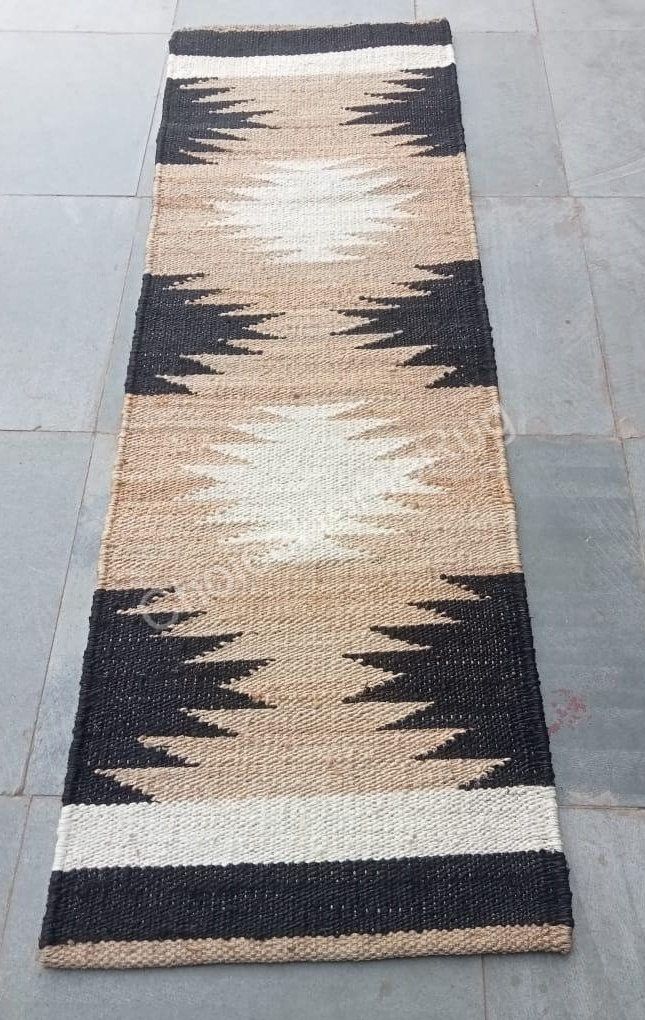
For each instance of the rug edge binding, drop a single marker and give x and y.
(507, 939)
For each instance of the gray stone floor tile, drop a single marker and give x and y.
(76, 110)
(614, 234)
(42, 484)
(604, 977)
(109, 416)
(62, 264)
(550, 366)
(590, 14)
(595, 79)
(407, 989)
(510, 131)
(80, 16)
(13, 812)
(53, 733)
(635, 454)
(586, 587)
(481, 15)
(191, 13)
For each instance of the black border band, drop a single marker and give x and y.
(276, 42)
(262, 901)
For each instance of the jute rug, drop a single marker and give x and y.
(310, 724)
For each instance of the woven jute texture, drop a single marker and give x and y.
(310, 724)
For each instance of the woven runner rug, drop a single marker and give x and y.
(310, 724)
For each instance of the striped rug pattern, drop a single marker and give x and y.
(310, 724)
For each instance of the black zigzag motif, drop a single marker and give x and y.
(423, 109)
(477, 668)
(195, 121)
(447, 313)
(174, 325)
(137, 679)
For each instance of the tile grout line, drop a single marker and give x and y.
(25, 771)
(106, 368)
(612, 402)
(640, 531)
(75, 31)
(547, 81)
(477, 196)
(139, 200)
(563, 806)
(161, 82)
(54, 432)
(578, 436)
(483, 960)
(12, 883)
(31, 795)
(578, 220)
(535, 20)
(470, 31)
(67, 194)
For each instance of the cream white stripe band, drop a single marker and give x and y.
(321, 828)
(363, 61)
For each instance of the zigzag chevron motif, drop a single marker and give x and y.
(186, 328)
(442, 316)
(201, 119)
(423, 110)
(146, 649)
(464, 661)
